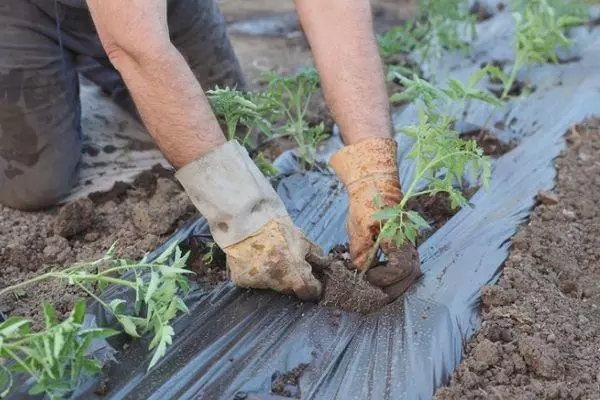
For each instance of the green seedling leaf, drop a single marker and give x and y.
(14, 327)
(385, 214)
(117, 306)
(98, 333)
(154, 279)
(91, 367)
(78, 313)
(127, 324)
(417, 219)
(49, 314)
(410, 233)
(6, 381)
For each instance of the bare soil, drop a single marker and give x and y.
(490, 143)
(540, 337)
(139, 217)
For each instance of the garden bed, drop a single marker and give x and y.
(540, 335)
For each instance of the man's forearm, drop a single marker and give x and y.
(341, 36)
(173, 106)
(169, 98)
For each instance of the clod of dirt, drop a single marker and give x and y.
(74, 218)
(491, 145)
(57, 249)
(547, 198)
(348, 291)
(288, 385)
(157, 216)
(543, 359)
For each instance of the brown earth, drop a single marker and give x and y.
(540, 337)
(139, 217)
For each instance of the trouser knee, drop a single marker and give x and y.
(36, 168)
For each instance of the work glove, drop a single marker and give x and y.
(248, 220)
(368, 170)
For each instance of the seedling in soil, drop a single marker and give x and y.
(438, 25)
(291, 96)
(55, 357)
(243, 114)
(440, 156)
(539, 32)
(241, 111)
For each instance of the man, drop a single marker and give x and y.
(166, 53)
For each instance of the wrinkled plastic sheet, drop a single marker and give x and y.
(236, 341)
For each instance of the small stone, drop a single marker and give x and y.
(551, 338)
(74, 218)
(57, 249)
(486, 354)
(547, 198)
(91, 236)
(570, 215)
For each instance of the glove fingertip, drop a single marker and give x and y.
(308, 291)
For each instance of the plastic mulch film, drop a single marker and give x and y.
(236, 342)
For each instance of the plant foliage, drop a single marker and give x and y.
(56, 357)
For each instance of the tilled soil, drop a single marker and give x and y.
(138, 217)
(540, 337)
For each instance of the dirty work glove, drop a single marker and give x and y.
(369, 169)
(248, 220)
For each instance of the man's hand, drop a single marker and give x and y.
(275, 258)
(368, 170)
(249, 222)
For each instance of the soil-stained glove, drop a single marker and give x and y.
(248, 220)
(369, 169)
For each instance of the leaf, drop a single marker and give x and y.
(417, 219)
(99, 333)
(49, 314)
(38, 388)
(78, 312)
(127, 324)
(410, 233)
(91, 367)
(14, 326)
(181, 306)
(154, 279)
(6, 381)
(117, 306)
(59, 342)
(385, 214)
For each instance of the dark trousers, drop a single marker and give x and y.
(44, 45)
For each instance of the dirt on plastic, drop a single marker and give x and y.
(540, 335)
(288, 385)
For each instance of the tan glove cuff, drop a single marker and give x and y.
(366, 160)
(231, 193)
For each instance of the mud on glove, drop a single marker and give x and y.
(368, 170)
(248, 220)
